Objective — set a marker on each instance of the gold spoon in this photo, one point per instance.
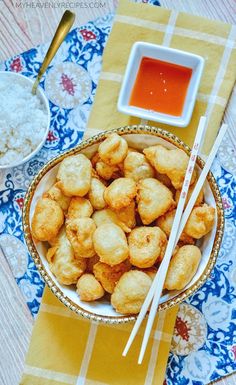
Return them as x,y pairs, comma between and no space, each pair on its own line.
63,28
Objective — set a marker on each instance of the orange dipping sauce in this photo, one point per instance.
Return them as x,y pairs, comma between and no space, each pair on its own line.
161,86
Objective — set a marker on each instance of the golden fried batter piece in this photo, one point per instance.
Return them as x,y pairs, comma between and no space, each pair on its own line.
62,263
89,289
200,221
96,193
106,171
165,222
171,162
127,215
199,199
146,246
90,262
137,167
47,219
110,244
108,216
79,208
183,267
74,175
57,195
120,193
80,234
108,275
154,199
113,149
130,292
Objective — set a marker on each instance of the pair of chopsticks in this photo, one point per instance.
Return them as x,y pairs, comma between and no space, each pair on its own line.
180,220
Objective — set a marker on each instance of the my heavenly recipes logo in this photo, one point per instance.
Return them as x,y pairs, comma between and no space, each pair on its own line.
60,4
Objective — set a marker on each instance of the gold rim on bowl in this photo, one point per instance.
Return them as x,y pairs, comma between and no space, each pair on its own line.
134,129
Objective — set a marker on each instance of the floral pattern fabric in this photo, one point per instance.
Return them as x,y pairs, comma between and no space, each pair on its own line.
204,341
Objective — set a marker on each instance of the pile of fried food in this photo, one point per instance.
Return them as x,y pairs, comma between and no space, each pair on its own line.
108,220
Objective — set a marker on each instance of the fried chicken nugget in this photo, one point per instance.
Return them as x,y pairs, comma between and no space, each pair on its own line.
137,167
183,267
199,199
74,175
79,208
110,244
96,193
171,162
108,275
106,171
80,234
57,195
47,219
154,199
120,193
200,221
146,246
127,215
130,292
108,216
88,288
165,222
62,263
113,149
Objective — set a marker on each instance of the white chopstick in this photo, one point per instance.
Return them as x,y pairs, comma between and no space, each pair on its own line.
185,216
177,231
171,243
201,179
173,235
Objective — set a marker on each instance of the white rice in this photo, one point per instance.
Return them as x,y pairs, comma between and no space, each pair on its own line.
23,120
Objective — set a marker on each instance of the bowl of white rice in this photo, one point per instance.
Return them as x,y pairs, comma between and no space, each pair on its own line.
24,119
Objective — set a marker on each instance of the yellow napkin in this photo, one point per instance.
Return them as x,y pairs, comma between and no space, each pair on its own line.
66,349
213,40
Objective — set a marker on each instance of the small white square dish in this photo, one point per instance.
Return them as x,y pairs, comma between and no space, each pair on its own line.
160,84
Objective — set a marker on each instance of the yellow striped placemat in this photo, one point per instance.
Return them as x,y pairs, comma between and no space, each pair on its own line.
66,349
213,40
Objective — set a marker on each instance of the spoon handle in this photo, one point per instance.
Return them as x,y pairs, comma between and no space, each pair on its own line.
63,28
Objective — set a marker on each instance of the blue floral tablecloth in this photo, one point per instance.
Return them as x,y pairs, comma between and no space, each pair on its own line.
204,342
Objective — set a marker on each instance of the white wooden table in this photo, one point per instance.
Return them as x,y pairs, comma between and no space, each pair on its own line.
21,29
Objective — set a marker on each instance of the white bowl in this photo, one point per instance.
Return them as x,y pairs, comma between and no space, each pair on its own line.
18,78
137,137
140,50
